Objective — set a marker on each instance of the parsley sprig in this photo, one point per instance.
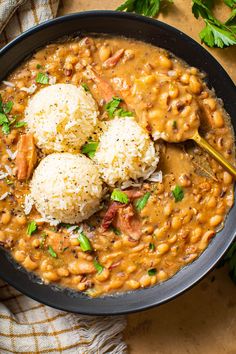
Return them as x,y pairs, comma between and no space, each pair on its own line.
216,33
113,108
149,8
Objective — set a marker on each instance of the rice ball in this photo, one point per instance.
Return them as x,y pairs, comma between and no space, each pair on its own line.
125,152
66,188
61,117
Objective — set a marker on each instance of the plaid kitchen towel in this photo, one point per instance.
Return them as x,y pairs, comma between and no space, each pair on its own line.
27,326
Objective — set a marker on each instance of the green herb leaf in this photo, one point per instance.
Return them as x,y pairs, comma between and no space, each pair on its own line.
120,112
141,202
38,66
90,148
84,242
217,36
3,119
115,230
31,228
174,125
178,193
9,182
5,128
85,87
52,252
98,266
20,124
7,107
42,78
67,226
65,249
112,106
230,3
119,196
152,272
152,247
149,8
215,33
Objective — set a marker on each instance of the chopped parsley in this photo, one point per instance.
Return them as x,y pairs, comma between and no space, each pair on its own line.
90,148
42,78
67,226
178,193
85,87
141,202
20,124
149,8
174,125
120,112
31,228
7,107
152,272
115,230
152,247
98,266
52,252
65,249
119,196
84,242
38,66
113,108
9,182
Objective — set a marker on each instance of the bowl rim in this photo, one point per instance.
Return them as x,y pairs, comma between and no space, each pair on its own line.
34,290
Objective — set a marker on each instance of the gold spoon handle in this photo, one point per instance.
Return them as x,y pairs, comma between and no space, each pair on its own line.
215,154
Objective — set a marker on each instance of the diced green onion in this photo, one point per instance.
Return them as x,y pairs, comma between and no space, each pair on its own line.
98,266
152,246
178,193
141,202
42,78
152,272
119,196
85,86
31,228
52,252
84,242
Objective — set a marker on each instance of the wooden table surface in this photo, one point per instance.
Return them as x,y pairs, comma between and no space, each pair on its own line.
203,320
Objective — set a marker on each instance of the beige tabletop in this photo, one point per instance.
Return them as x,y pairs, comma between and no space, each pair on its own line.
203,320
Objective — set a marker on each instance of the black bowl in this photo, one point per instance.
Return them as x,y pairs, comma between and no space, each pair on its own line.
162,35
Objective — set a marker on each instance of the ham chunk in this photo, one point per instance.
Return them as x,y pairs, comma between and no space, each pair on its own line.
128,223
111,214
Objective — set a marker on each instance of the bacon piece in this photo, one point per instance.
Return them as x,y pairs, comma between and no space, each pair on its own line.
26,156
128,223
106,89
112,61
111,214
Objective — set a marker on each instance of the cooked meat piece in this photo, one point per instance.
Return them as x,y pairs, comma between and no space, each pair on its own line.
112,61
111,214
26,157
128,223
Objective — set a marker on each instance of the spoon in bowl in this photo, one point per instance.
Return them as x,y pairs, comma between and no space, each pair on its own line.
181,123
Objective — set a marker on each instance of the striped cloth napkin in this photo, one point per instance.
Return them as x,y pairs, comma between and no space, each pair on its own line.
26,326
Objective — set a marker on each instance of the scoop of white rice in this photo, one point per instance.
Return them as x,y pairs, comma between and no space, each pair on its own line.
61,117
66,187
125,152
